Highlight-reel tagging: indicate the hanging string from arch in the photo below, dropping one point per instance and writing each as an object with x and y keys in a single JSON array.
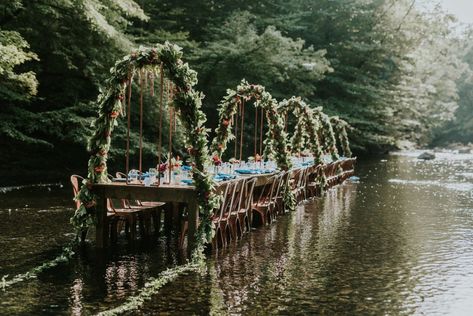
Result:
[
  {"x": 261, "y": 132},
  {"x": 256, "y": 132},
  {"x": 160, "y": 132},
  {"x": 171, "y": 125},
  {"x": 127, "y": 164},
  {"x": 235, "y": 121},
  {"x": 142, "y": 81},
  {"x": 242, "y": 126}
]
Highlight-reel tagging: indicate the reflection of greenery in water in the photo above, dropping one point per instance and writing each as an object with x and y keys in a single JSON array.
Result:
[{"x": 393, "y": 244}]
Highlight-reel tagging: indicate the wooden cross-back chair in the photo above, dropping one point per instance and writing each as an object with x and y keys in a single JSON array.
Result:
[
  {"x": 153, "y": 207},
  {"x": 218, "y": 218},
  {"x": 76, "y": 180},
  {"x": 244, "y": 213},
  {"x": 313, "y": 187},
  {"x": 265, "y": 203},
  {"x": 234, "y": 224}
]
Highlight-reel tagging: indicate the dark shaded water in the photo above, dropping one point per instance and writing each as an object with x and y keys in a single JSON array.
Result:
[{"x": 398, "y": 242}]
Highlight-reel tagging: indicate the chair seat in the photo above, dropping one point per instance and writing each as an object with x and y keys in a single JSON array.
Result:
[
  {"x": 127, "y": 211},
  {"x": 152, "y": 204}
]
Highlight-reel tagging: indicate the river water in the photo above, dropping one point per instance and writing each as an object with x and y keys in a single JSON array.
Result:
[{"x": 398, "y": 242}]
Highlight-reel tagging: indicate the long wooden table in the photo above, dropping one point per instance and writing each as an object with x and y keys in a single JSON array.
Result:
[{"x": 163, "y": 193}]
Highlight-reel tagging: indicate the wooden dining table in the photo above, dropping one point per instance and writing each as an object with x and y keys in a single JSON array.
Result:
[{"x": 169, "y": 193}]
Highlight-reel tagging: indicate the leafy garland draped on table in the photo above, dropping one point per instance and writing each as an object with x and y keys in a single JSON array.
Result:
[
  {"x": 326, "y": 134},
  {"x": 340, "y": 127},
  {"x": 276, "y": 138},
  {"x": 306, "y": 127}
]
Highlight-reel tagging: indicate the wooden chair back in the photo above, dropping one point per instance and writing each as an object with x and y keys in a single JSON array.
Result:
[
  {"x": 238, "y": 195},
  {"x": 283, "y": 180},
  {"x": 247, "y": 196},
  {"x": 226, "y": 204},
  {"x": 75, "y": 181}
]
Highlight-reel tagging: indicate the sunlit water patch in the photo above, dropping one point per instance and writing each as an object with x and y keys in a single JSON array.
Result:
[{"x": 459, "y": 186}]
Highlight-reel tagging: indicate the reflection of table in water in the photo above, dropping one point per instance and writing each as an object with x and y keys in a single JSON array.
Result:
[{"x": 163, "y": 193}]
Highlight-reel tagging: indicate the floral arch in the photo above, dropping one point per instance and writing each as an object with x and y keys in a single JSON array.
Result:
[
  {"x": 326, "y": 133},
  {"x": 166, "y": 60},
  {"x": 276, "y": 137},
  {"x": 306, "y": 127},
  {"x": 340, "y": 127}
]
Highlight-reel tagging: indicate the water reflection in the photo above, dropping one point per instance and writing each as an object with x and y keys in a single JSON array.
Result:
[{"x": 398, "y": 242}]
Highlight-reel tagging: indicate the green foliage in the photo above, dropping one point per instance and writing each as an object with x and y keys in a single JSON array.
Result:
[
  {"x": 460, "y": 128},
  {"x": 14, "y": 51},
  {"x": 392, "y": 71}
]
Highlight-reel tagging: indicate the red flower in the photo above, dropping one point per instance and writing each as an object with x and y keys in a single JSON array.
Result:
[
  {"x": 216, "y": 160},
  {"x": 114, "y": 114},
  {"x": 102, "y": 152},
  {"x": 225, "y": 122},
  {"x": 100, "y": 168},
  {"x": 163, "y": 167}
]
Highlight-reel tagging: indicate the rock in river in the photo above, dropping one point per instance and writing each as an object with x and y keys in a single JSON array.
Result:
[{"x": 426, "y": 156}]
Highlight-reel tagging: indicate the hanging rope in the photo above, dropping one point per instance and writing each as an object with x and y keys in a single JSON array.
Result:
[
  {"x": 127, "y": 164},
  {"x": 261, "y": 133},
  {"x": 256, "y": 131},
  {"x": 160, "y": 133},
  {"x": 141, "y": 124},
  {"x": 241, "y": 127},
  {"x": 171, "y": 118},
  {"x": 235, "y": 117}
]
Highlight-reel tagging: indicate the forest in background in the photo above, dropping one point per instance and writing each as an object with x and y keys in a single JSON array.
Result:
[{"x": 398, "y": 75}]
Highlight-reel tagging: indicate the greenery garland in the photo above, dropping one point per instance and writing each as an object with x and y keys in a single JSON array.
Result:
[
  {"x": 276, "y": 137},
  {"x": 341, "y": 127},
  {"x": 306, "y": 127},
  {"x": 325, "y": 132},
  {"x": 66, "y": 254}
]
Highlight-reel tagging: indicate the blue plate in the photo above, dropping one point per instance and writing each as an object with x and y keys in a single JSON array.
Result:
[
  {"x": 246, "y": 171},
  {"x": 188, "y": 181}
]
